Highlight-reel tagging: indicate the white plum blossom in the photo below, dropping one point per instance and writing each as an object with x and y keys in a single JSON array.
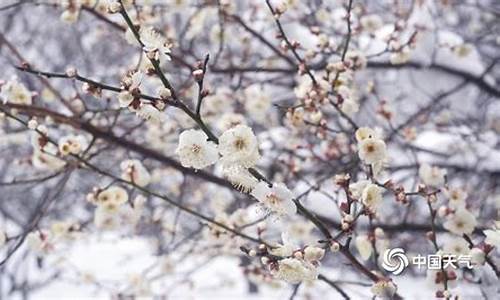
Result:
[
  {"x": 240, "y": 177},
  {"x": 313, "y": 254},
  {"x": 350, "y": 106},
  {"x": 112, "y": 213},
  {"x": 15, "y": 92},
  {"x": 306, "y": 89},
  {"x": 478, "y": 257},
  {"x": 125, "y": 98},
  {"x": 70, "y": 15},
  {"x": 460, "y": 222},
  {"x": 381, "y": 241},
  {"x": 371, "y": 149},
  {"x": 456, "y": 197},
  {"x": 431, "y": 176},
  {"x": 372, "y": 196},
  {"x": 315, "y": 117},
  {"x": 72, "y": 144},
  {"x": 111, "y": 198},
  {"x": 493, "y": 236},
  {"x": 149, "y": 112},
  {"x": 364, "y": 246},
  {"x": 41, "y": 160},
  {"x": 130, "y": 87},
  {"x": 358, "y": 187},
  {"x": 278, "y": 198},
  {"x": 114, "y": 6},
  {"x": 32, "y": 124},
  {"x": 364, "y": 133},
  {"x": 296, "y": 116},
  {"x": 103, "y": 218},
  {"x": 154, "y": 43},
  {"x": 44, "y": 155},
  {"x": 132, "y": 81},
  {"x": 456, "y": 246},
  {"x": 195, "y": 151},
  {"x": 120, "y": 217},
  {"x": 61, "y": 230},
  {"x": 371, "y": 23},
  {"x": 357, "y": 59},
  {"x": 134, "y": 171},
  {"x": 287, "y": 248},
  {"x": 400, "y": 57},
  {"x": 293, "y": 270},
  {"x": 238, "y": 145},
  {"x": 384, "y": 289},
  {"x": 164, "y": 92}
]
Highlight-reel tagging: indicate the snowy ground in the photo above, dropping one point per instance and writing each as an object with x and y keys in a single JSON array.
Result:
[{"x": 113, "y": 262}]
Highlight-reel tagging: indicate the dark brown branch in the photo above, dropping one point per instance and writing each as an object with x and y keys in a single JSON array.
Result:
[{"x": 122, "y": 142}]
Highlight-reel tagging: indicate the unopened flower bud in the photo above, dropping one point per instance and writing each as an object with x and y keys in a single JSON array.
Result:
[
  {"x": 335, "y": 247},
  {"x": 345, "y": 226},
  {"x": 198, "y": 74},
  {"x": 32, "y": 124},
  {"x": 71, "y": 72},
  {"x": 379, "y": 233},
  {"x": 442, "y": 211},
  {"x": 114, "y": 7},
  {"x": 348, "y": 218},
  {"x": 164, "y": 93}
]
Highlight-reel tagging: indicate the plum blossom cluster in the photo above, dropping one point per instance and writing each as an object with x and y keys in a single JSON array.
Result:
[
  {"x": 237, "y": 150},
  {"x": 384, "y": 289},
  {"x": 130, "y": 98},
  {"x": 15, "y": 92},
  {"x": 134, "y": 171},
  {"x": 288, "y": 262},
  {"x": 154, "y": 44},
  {"x": 48, "y": 240},
  {"x": 371, "y": 148},
  {"x": 368, "y": 193},
  {"x": 493, "y": 236},
  {"x": 371, "y": 243},
  {"x": 72, "y": 144},
  {"x": 113, "y": 209}
]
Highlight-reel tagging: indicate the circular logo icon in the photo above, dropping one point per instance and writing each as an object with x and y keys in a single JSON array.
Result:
[{"x": 395, "y": 260}]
